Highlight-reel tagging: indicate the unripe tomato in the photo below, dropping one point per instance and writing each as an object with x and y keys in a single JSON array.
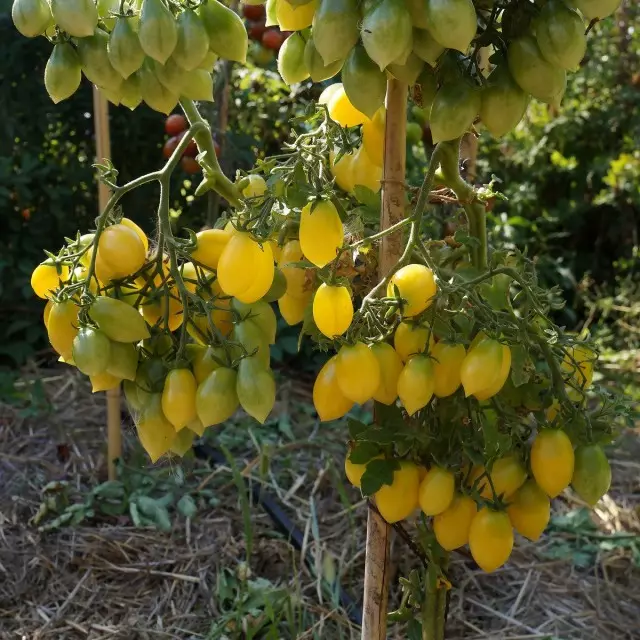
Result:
[
  {"x": 182, "y": 442},
  {"x": 292, "y": 309},
  {"x": 342, "y": 111},
  {"x": 399, "y": 500},
  {"x": 416, "y": 286},
  {"x": 600, "y": 9},
  {"x": 123, "y": 360},
  {"x": 62, "y": 327},
  {"x": 321, "y": 232},
  {"x": 176, "y": 123},
  {"x": 91, "y": 350},
  {"x": 155, "y": 432},
  {"x": 118, "y": 320},
  {"x": 530, "y": 510},
  {"x": 490, "y": 539},
  {"x": 256, "y": 388},
  {"x": 278, "y": 287},
  {"x": 358, "y": 372},
  {"x": 328, "y": 399},
  {"x": 216, "y": 398},
  {"x": 206, "y": 360},
  {"x": 103, "y": 382},
  {"x": 295, "y": 276},
  {"x": 45, "y": 279},
  {"x": 452, "y": 526},
  {"x": 414, "y": 132},
  {"x": 121, "y": 251},
  {"x": 447, "y": 363},
  {"x": 245, "y": 268},
  {"x": 332, "y": 310},
  {"x": 251, "y": 337},
  {"x": 390, "y": 368},
  {"x": 592, "y": 474},
  {"x": 483, "y": 367},
  {"x": 436, "y": 491},
  {"x": 507, "y": 476},
  {"x": 415, "y": 384},
  {"x": 552, "y": 461},
  {"x": 411, "y": 339},
  {"x": 179, "y": 398},
  {"x": 256, "y": 188}
]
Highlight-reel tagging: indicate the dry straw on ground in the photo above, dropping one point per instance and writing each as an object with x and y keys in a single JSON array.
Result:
[{"x": 107, "y": 579}]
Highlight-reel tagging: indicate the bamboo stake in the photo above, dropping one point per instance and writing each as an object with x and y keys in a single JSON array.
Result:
[
  {"x": 376, "y": 583},
  {"x": 103, "y": 151}
]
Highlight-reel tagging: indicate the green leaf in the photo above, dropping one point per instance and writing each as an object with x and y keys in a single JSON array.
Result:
[
  {"x": 162, "y": 520},
  {"x": 367, "y": 197},
  {"x": 521, "y": 365},
  {"x": 363, "y": 452},
  {"x": 378, "y": 472},
  {"x": 187, "y": 506},
  {"x": 355, "y": 428}
]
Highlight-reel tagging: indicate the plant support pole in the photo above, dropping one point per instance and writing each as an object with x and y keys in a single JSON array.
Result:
[
  {"x": 376, "y": 578},
  {"x": 103, "y": 151}
]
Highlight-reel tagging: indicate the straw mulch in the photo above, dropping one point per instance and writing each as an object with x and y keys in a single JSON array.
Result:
[{"x": 107, "y": 579}]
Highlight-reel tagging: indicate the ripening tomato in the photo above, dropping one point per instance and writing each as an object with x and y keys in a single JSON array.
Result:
[
  {"x": 293, "y": 309},
  {"x": 328, "y": 399},
  {"x": 253, "y": 339},
  {"x": 490, "y": 539},
  {"x": 332, "y": 310},
  {"x": 578, "y": 365},
  {"x": 390, "y": 369},
  {"x": 296, "y": 277},
  {"x": 121, "y": 251},
  {"x": 592, "y": 474},
  {"x": 45, "y": 279},
  {"x": 175, "y": 124},
  {"x": 272, "y": 39},
  {"x": 256, "y": 388},
  {"x": 436, "y": 491},
  {"x": 261, "y": 314},
  {"x": 415, "y": 384},
  {"x": 485, "y": 368},
  {"x": 552, "y": 461},
  {"x": 452, "y": 526},
  {"x": 507, "y": 476},
  {"x": 118, "y": 320},
  {"x": 91, "y": 350},
  {"x": 62, "y": 328},
  {"x": 179, "y": 398},
  {"x": 155, "y": 432},
  {"x": 321, "y": 232},
  {"x": 104, "y": 382},
  {"x": 399, "y": 500},
  {"x": 216, "y": 397},
  {"x": 416, "y": 286},
  {"x": 411, "y": 339},
  {"x": 245, "y": 268},
  {"x": 342, "y": 111},
  {"x": 123, "y": 360},
  {"x": 206, "y": 360},
  {"x": 358, "y": 372},
  {"x": 154, "y": 309},
  {"x": 256, "y": 188},
  {"x": 198, "y": 324},
  {"x": 448, "y": 360},
  {"x": 529, "y": 510},
  {"x": 190, "y": 165},
  {"x": 182, "y": 442}
]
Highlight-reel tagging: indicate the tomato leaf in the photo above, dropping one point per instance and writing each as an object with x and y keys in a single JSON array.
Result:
[
  {"x": 363, "y": 452},
  {"x": 521, "y": 365},
  {"x": 355, "y": 428},
  {"x": 378, "y": 472},
  {"x": 187, "y": 506}
]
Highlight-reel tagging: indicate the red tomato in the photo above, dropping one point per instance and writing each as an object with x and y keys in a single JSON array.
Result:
[
  {"x": 272, "y": 39},
  {"x": 175, "y": 124},
  {"x": 253, "y": 11},
  {"x": 191, "y": 150},
  {"x": 255, "y": 30},
  {"x": 190, "y": 165},
  {"x": 171, "y": 144}
]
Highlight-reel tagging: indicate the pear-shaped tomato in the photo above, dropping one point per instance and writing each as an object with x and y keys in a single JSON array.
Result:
[
  {"x": 399, "y": 500},
  {"x": 453, "y": 111},
  {"x": 46, "y": 278},
  {"x": 390, "y": 368},
  {"x": 416, "y": 383},
  {"x": 315, "y": 65},
  {"x": 342, "y": 170},
  {"x": 452, "y": 23},
  {"x": 552, "y": 461},
  {"x": 358, "y": 372},
  {"x": 373, "y": 139},
  {"x": 436, "y": 491},
  {"x": 364, "y": 83},
  {"x": 256, "y": 389},
  {"x": 529, "y": 510},
  {"x": 415, "y": 285},
  {"x": 125, "y": 53},
  {"x": 591, "y": 474},
  {"x": 409, "y": 71},
  {"x": 78, "y": 18},
  {"x": 592, "y": 9},
  {"x": 386, "y": 32},
  {"x": 321, "y": 232},
  {"x": 448, "y": 359},
  {"x": 31, "y": 17},
  {"x": 179, "y": 398},
  {"x": 293, "y": 308},
  {"x": 332, "y": 310},
  {"x": 341, "y": 110},
  {"x": 62, "y": 74},
  {"x": 62, "y": 327},
  {"x": 118, "y": 320},
  {"x": 560, "y": 33},
  {"x": 295, "y": 16},
  {"x": 216, "y": 397},
  {"x": 328, "y": 399},
  {"x": 485, "y": 368},
  {"x": 193, "y": 41},
  {"x": 227, "y": 34},
  {"x": 503, "y": 103},
  {"x": 507, "y": 476},
  {"x": 154, "y": 430},
  {"x": 364, "y": 172},
  {"x": 452, "y": 526},
  {"x": 426, "y": 47},
  {"x": 411, "y": 339},
  {"x": 96, "y": 66},
  {"x": 335, "y": 29},
  {"x": 291, "y": 66},
  {"x": 490, "y": 539}
]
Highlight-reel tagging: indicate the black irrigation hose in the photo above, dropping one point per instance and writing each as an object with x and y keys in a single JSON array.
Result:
[{"x": 282, "y": 522}]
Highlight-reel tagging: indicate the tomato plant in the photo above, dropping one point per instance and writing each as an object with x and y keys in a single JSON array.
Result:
[{"x": 480, "y": 399}]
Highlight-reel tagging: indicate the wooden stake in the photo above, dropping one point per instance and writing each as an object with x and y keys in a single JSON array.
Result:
[
  {"x": 376, "y": 582},
  {"x": 103, "y": 151}
]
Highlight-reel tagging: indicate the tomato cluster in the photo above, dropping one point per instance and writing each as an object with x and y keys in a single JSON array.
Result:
[
  {"x": 267, "y": 39},
  {"x": 176, "y": 126},
  {"x": 133, "y": 51}
]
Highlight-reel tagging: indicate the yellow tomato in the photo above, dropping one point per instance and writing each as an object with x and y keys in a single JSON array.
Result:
[
  {"x": 452, "y": 526},
  {"x": 354, "y": 471},
  {"x": 490, "y": 539},
  {"x": 364, "y": 172},
  {"x": 155, "y": 432},
  {"x": 332, "y": 310},
  {"x": 507, "y": 476},
  {"x": 342, "y": 170},
  {"x": 206, "y": 360},
  {"x": 329, "y": 92},
  {"x": 373, "y": 136},
  {"x": 578, "y": 366},
  {"x": 415, "y": 384},
  {"x": 436, "y": 491},
  {"x": 194, "y": 284},
  {"x": 358, "y": 372},
  {"x": 45, "y": 279},
  {"x": 399, "y": 500},
  {"x": 328, "y": 399},
  {"x": 140, "y": 233},
  {"x": 154, "y": 310},
  {"x": 295, "y": 17},
  {"x": 552, "y": 461},
  {"x": 104, "y": 382},
  {"x": 448, "y": 360},
  {"x": 198, "y": 324},
  {"x": 121, "y": 252},
  {"x": 321, "y": 232},
  {"x": 529, "y": 510},
  {"x": 256, "y": 188},
  {"x": 416, "y": 286},
  {"x": 179, "y": 398},
  {"x": 62, "y": 327},
  {"x": 245, "y": 269},
  {"x": 209, "y": 247},
  {"x": 498, "y": 383},
  {"x": 46, "y": 312},
  {"x": 276, "y": 249},
  {"x": 292, "y": 308},
  {"x": 411, "y": 339},
  {"x": 485, "y": 368},
  {"x": 342, "y": 111},
  {"x": 390, "y": 368},
  {"x": 295, "y": 276}
]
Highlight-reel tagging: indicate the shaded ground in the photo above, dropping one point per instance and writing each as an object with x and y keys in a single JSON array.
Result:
[{"x": 105, "y": 578}]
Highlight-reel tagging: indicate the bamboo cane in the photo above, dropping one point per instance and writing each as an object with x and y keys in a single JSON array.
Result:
[
  {"x": 103, "y": 151},
  {"x": 376, "y": 583}
]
